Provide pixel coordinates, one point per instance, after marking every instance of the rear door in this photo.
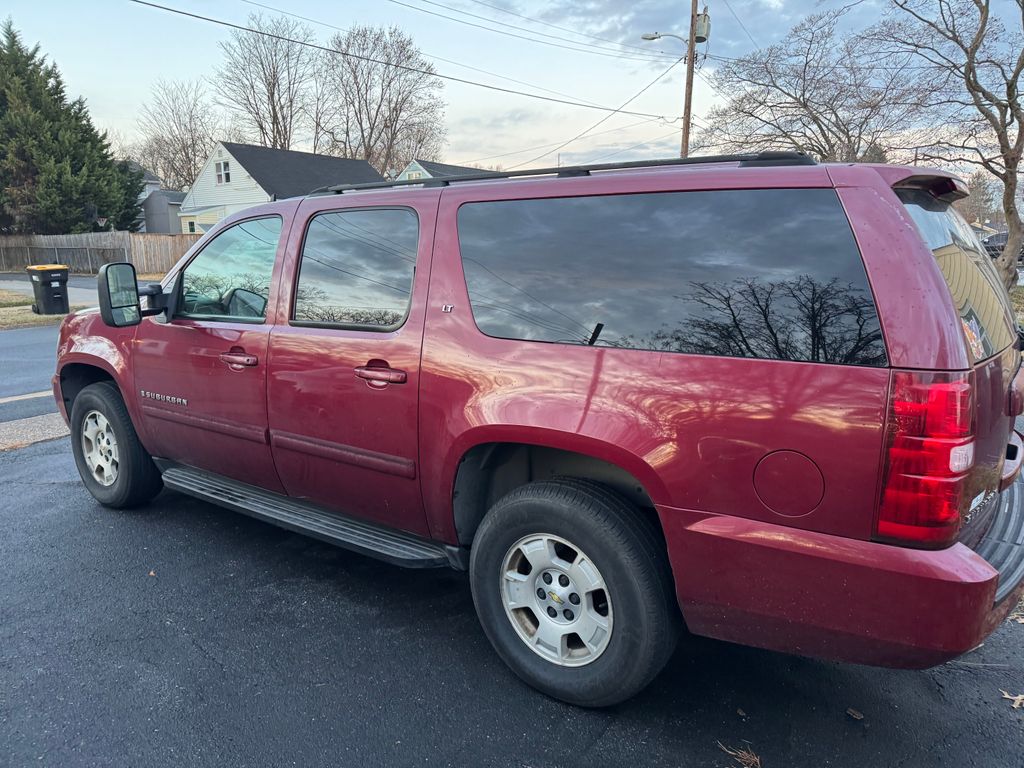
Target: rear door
(344, 380)
(989, 328)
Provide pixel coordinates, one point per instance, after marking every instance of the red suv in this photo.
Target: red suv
(769, 399)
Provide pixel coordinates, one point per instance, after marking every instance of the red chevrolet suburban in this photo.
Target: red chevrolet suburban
(768, 400)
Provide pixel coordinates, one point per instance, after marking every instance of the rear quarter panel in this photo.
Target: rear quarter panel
(692, 429)
(921, 326)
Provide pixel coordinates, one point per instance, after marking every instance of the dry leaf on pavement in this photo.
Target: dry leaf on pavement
(1018, 613)
(744, 756)
(1018, 701)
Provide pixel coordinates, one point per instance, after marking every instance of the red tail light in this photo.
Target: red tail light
(930, 451)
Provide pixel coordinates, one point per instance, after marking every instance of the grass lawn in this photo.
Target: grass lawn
(16, 312)
(13, 299)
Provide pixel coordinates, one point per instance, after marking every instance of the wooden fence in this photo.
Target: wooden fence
(86, 253)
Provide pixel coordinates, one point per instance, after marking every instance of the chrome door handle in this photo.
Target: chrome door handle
(239, 359)
(381, 376)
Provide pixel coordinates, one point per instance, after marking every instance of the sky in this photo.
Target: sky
(111, 52)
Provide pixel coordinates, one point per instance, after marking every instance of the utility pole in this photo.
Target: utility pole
(700, 30)
(691, 57)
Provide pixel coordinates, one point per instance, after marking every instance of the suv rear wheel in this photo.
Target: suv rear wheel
(573, 589)
(114, 466)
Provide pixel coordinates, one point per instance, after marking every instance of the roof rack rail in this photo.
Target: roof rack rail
(751, 160)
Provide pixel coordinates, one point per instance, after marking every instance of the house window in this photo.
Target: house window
(415, 175)
(192, 227)
(223, 172)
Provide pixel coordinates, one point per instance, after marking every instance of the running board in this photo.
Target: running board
(366, 538)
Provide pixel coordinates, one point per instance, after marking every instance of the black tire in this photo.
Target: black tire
(626, 548)
(138, 480)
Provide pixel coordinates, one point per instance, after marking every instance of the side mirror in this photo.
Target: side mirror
(244, 303)
(119, 295)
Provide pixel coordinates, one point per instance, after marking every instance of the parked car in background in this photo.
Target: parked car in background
(995, 244)
(566, 382)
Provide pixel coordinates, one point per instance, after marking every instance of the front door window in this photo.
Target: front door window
(230, 278)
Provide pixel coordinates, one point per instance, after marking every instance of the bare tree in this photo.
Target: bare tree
(796, 319)
(979, 116)
(378, 110)
(813, 92)
(266, 77)
(179, 126)
(981, 204)
(322, 104)
(121, 148)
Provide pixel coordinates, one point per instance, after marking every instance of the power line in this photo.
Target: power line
(606, 117)
(552, 143)
(653, 56)
(740, 22)
(627, 149)
(548, 24)
(427, 55)
(647, 54)
(418, 70)
(801, 65)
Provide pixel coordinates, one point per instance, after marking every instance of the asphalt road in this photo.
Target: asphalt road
(27, 360)
(251, 646)
(85, 282)
(81, 288)
(185, 635)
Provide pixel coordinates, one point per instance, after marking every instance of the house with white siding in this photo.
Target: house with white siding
(238, 176)
(428, 169)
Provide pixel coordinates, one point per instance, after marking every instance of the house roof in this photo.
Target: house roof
(285, 173)
(443, 169)
(172, 196)
(148, 176)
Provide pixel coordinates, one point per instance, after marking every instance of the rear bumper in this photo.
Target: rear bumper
(813, 594)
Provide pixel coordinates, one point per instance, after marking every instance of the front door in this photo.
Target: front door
(202, 375)
(344, 376)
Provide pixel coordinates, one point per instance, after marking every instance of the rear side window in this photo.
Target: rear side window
(357, 268)
(977, 291)
(770, 274)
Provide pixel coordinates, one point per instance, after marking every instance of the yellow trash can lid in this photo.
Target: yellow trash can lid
(47, 267)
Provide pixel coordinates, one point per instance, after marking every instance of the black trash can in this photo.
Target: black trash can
(50, 288)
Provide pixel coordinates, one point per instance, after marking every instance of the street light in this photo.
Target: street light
(700, 28)
(658, 35)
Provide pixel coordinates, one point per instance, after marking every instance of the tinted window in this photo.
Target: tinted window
(743, 273)
(230, 278)
(357, 268)
(977, 291)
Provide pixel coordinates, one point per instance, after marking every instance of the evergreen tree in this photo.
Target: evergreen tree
(56, 170)
(131, 185)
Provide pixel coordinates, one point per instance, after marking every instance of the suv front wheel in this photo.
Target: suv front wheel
(114, 466)
(573, 589)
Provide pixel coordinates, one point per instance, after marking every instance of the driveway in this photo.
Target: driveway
(188, 635)
(183, 634)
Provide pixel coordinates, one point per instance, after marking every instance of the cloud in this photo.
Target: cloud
(504, 121)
